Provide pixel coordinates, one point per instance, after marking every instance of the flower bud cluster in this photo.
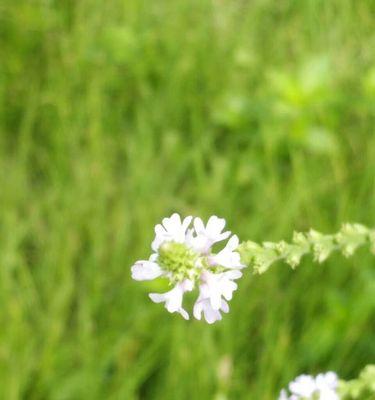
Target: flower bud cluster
(347, 241)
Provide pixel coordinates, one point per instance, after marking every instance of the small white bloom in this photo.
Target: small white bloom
(184, 256)
(210, 234)
(329, 380)
(306, 387)
(171, 229)
(327, 385)
(228, 257)
(210, 314)
(303, 385)
(173, 298)
(214, 286)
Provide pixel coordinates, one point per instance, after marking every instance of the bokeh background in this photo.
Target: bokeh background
(114, 114)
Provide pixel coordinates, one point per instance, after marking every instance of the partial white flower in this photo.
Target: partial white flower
(171, 229)
(215, 286)
(329, 380)
(306, 387)
(283, 395)
(327, 385)
(173, 298)
(184, 256)
(210, 234)
(211, 315)
(303, 385)
(228, 257)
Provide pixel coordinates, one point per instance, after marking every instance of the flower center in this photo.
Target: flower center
(179, 260)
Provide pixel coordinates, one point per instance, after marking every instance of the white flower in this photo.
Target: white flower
(184, 256)
(306, 387)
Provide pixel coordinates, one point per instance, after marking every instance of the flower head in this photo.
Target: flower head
(307, 387)
(184, 255)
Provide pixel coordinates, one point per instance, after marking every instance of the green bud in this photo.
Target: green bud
(261, 256)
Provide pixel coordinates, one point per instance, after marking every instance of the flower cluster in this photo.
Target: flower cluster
(306, 387)
(182, 252)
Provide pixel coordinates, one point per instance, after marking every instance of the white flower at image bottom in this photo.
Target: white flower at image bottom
(306, 387)
(183, 254)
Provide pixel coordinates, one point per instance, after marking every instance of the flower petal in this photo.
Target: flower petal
(145, 270)
(197, 310)
(215, 224)
(184, 314)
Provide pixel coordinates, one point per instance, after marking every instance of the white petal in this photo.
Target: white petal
(198, 225)
(233, 274)
(211, 315)
(227, 258)
(233, 243)
(228, 289)
(197, 310)
(215, 298)
(303, 385)
(215, 224)
(157, 297)
(153, 257)
(173, 298)
(171, 223)
(283, 395)
(199, 243)
(224, 306)
(328, 394)
(186, 223)
(174, 301)
(204, 291)
(223, 236)
(209, 234)
(160, 230)
(328, 380)
(187, 285)
(145, 270)
(184, 314)
(214, 286)
(172, 229)
(156, 243)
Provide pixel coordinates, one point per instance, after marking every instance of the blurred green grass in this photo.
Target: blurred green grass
(114, 114)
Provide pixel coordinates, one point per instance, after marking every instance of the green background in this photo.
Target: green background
(116, 113)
